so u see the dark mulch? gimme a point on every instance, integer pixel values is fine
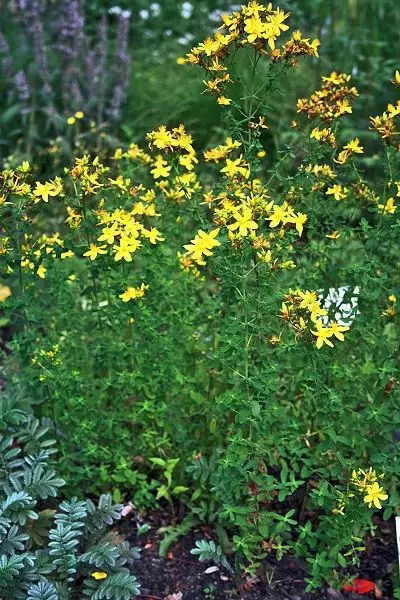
(181, 573)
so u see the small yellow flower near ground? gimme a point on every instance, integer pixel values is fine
(5, 292)
(181, 60)
(71, 120)
(132, 293)
(374, 495)
(224, 101)
(79, 114)
(261, 154)
(95, 250)
(99, 575)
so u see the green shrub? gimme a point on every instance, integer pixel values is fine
(251, 382)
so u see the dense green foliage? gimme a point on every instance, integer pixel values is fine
(248, 371)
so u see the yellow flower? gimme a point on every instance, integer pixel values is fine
(94, 251)
(109, 234)
(162, 138)
(181, 60)
(261, 154)
(224, 101)
(255, 28)
(307, 298)
(41, 272)
(337, 330)
(279, 215)
(127, 246)
(396, 80)
(299, 220)
(323, 334)
(132, 293)
(71, 120)
(374, 494)
(99, 575)
(202, 244)
(66, 254)
(5, 292)
(244, 222)
(337, 191)
(25, 167)
(49, 188)
(161, 168)
(235, 167)
(354, 146)
(153, 235)
(389, 207)
(79, 114)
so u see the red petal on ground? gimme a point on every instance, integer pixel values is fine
(360, 586)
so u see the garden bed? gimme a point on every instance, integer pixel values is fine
(180, 572)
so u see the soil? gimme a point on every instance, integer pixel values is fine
(181, 576)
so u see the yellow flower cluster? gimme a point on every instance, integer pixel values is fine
(134, 152)
(388, 123)
(35, 252)
(222, 151)
(13, 182)
(47, 354)
(201, 246)
(299, 46)
(89, 173)
(331, 101)
(325, 136)
(245, 209)
(302, 309)
(121, 231)
(367, 483)
(178, 143)
(257, 25)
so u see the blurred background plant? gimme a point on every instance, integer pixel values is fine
(64, 83)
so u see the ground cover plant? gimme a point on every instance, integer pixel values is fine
(220, 330)
(53, 554)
